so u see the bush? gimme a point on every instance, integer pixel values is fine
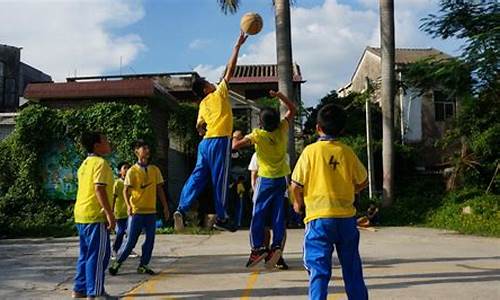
(483, 219)
(24, 208)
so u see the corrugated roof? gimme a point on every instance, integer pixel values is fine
(411, 55)
(261, 74)
(136, 88)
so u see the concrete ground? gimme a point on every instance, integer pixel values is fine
(399, 263)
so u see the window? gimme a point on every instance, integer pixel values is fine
(444, 106)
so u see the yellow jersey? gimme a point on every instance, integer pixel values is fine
(271, 150)
(142, 183)
(328, 172)
(120, 208)
(215, 110)
(93, 171)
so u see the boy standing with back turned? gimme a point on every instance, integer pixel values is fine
(325, 179)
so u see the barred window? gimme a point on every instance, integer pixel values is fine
(444, 106)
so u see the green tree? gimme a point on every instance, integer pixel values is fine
(473, 78)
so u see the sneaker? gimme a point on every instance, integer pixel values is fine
(115, 266)
(178, 221)
(76, 295)
(224, 226)
(281, 264)
(104, 296)
(145, 270)
(272, 257)
(256, 256)
(134, 254)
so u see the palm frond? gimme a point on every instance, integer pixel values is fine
(230, 6)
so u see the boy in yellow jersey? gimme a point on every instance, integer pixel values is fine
(120, 206)
(271, 144)
(215, 124)
(325, 179)
(93, 216)
(143, 185)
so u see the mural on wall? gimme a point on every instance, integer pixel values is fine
(60, 167)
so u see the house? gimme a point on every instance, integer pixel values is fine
(161, 92)
(14, 77)
(421, 118)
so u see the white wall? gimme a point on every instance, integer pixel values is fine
(412, 116)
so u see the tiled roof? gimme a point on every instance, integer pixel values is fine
(410, 55)
(261, 74)
(133, 88)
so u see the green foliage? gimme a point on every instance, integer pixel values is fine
(474, 139)
(476, 23)
(354, 106)
(182, 124)
(24, 209)
(483, 219)
(187, 230)
(415, 197)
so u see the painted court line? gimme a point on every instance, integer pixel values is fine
(250, 283)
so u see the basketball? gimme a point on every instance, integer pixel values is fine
(251, 23)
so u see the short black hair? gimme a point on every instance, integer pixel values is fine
(140, 143)
(241, 178)
(199, 86)
(89, 139)
(121, 164)
(331, 119)
(269, 118)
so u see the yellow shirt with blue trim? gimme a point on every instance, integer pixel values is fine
(142, 183)
(93, 171)
(328, 172)
(120, 208)
(215, 110)
(271, 150)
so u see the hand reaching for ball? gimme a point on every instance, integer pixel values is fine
(241, 39)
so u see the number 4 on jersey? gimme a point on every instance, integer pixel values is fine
(333, 162)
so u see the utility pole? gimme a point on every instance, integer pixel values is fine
(369, 150)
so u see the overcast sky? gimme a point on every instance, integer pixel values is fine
(91, 37)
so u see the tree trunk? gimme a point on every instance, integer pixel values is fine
(284, 58)
(387, 50)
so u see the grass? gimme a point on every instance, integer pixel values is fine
(196, 230)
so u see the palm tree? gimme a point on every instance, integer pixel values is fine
(283, 52)
(387, 50)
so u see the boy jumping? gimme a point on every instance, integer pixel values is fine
(93, 217)
(215, 124)
(325, 179)
(143, 184)
(271, 145)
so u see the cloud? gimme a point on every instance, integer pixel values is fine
(329, 39)
(210, 72)
(59, 37)
(199, 44)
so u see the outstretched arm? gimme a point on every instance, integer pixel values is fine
(241, 143)
(231, 65)
(290, 105)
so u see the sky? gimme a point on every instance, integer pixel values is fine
(104, 37)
